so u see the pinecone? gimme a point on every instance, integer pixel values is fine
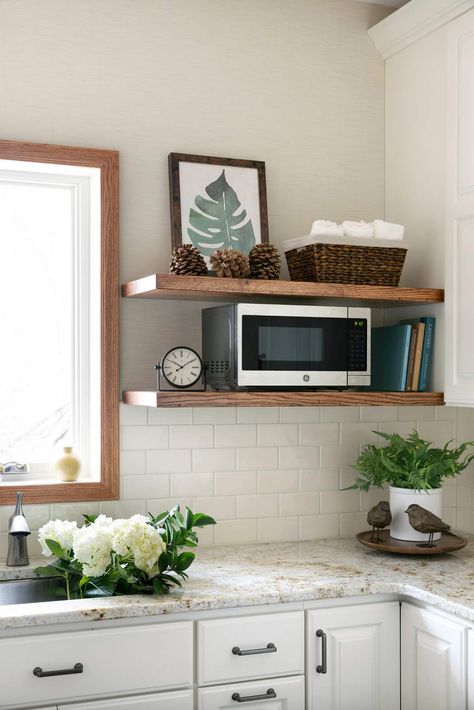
(186, 260)
(264, 261)
(230, 263)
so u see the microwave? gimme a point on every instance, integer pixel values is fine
(248, 345)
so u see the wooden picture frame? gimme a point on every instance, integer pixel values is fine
(196, 183)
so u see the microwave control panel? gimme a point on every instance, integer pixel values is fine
(357, 345)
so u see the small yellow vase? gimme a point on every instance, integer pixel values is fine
(68, 466)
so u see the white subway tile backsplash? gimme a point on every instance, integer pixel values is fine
(257, 415)
(191, 484)
(145, 437)
(319, 479)
(278, 481)
(319, 526)
(68, 511)
(234, 483)
(300, 414)
(299, 503)
(312, 434)
(298, 456)
(191, 436)
(235, 435)
(339, 501)
(215, 415)
(277, 434)
(339, 414)
(236, 532)
(132, 415)
(259, 506)
(265, 474)
(213, 460)
(170, 415)
(148, 486)
(132, 462)
(259, 458)
(278, 529)
(168, 461)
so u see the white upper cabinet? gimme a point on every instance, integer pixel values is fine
(434, 660)
(459, 387)
(353, 658)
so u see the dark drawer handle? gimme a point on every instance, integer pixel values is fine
(269, 648)
(40, 673)
(249, 698)
(323, 668)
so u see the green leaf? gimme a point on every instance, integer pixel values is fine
(185, 560)
(89, 519)
(57, 550)
(200, 520)
(220, 222)
(48, 571)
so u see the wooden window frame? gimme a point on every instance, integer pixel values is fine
(107, 488)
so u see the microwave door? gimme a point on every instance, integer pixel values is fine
(289, 350)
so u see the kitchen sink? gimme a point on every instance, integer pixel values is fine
(27, 591)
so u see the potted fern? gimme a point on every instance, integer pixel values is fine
(414, 469)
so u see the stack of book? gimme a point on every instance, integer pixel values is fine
(401, 355)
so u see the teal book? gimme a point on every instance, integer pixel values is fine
(390, 349)
(425, 368)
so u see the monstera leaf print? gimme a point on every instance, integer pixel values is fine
(220, 222)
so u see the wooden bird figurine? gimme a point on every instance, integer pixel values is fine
(379, 517)
(423, 521)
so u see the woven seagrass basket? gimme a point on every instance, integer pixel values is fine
(346, 264)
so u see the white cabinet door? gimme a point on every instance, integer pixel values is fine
(459, 385)
(271, 694)
(179, 700)
(360, 669)
(434, 659)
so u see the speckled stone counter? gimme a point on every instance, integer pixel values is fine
(240, 576)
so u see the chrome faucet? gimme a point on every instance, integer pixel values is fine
(18, 531)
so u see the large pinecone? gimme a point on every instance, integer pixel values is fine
(230, 263)
(186, 260)
(264, 261)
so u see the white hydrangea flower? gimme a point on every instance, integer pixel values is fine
(62, 531)
(142, 540)
(103, 521)
(92, 547)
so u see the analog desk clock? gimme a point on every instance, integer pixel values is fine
(181, 368)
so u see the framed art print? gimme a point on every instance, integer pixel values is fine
(217, 203)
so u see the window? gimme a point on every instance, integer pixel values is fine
(59, 315)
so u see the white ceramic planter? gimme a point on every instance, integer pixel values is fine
(400, 499)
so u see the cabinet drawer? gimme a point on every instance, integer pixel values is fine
(179, 700)
(118, 660)
(274, 693)
(250, 647)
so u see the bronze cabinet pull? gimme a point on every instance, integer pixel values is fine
(40, 673)
(269, 648)
(323, 668)
(249, 698)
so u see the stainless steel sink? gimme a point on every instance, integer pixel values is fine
(27, 591)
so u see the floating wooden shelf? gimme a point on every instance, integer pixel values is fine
(323, 398)
(204, 288)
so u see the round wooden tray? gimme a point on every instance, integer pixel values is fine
(448, 543)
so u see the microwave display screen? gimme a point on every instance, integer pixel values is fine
(294, 343)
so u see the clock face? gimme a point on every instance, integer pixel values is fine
(181, 367)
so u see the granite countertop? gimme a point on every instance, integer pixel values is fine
(247, 575)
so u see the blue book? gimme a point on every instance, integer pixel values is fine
(390, 349)
(425, 368)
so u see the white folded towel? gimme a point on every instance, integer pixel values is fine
(323, 227)
(358, 229)
(386, 230)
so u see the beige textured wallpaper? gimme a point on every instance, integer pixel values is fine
(296, 83)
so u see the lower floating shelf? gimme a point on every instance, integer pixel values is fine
(323, 398)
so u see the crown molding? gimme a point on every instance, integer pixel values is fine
(413, 21)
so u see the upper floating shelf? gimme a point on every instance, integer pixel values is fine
(208, 288)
